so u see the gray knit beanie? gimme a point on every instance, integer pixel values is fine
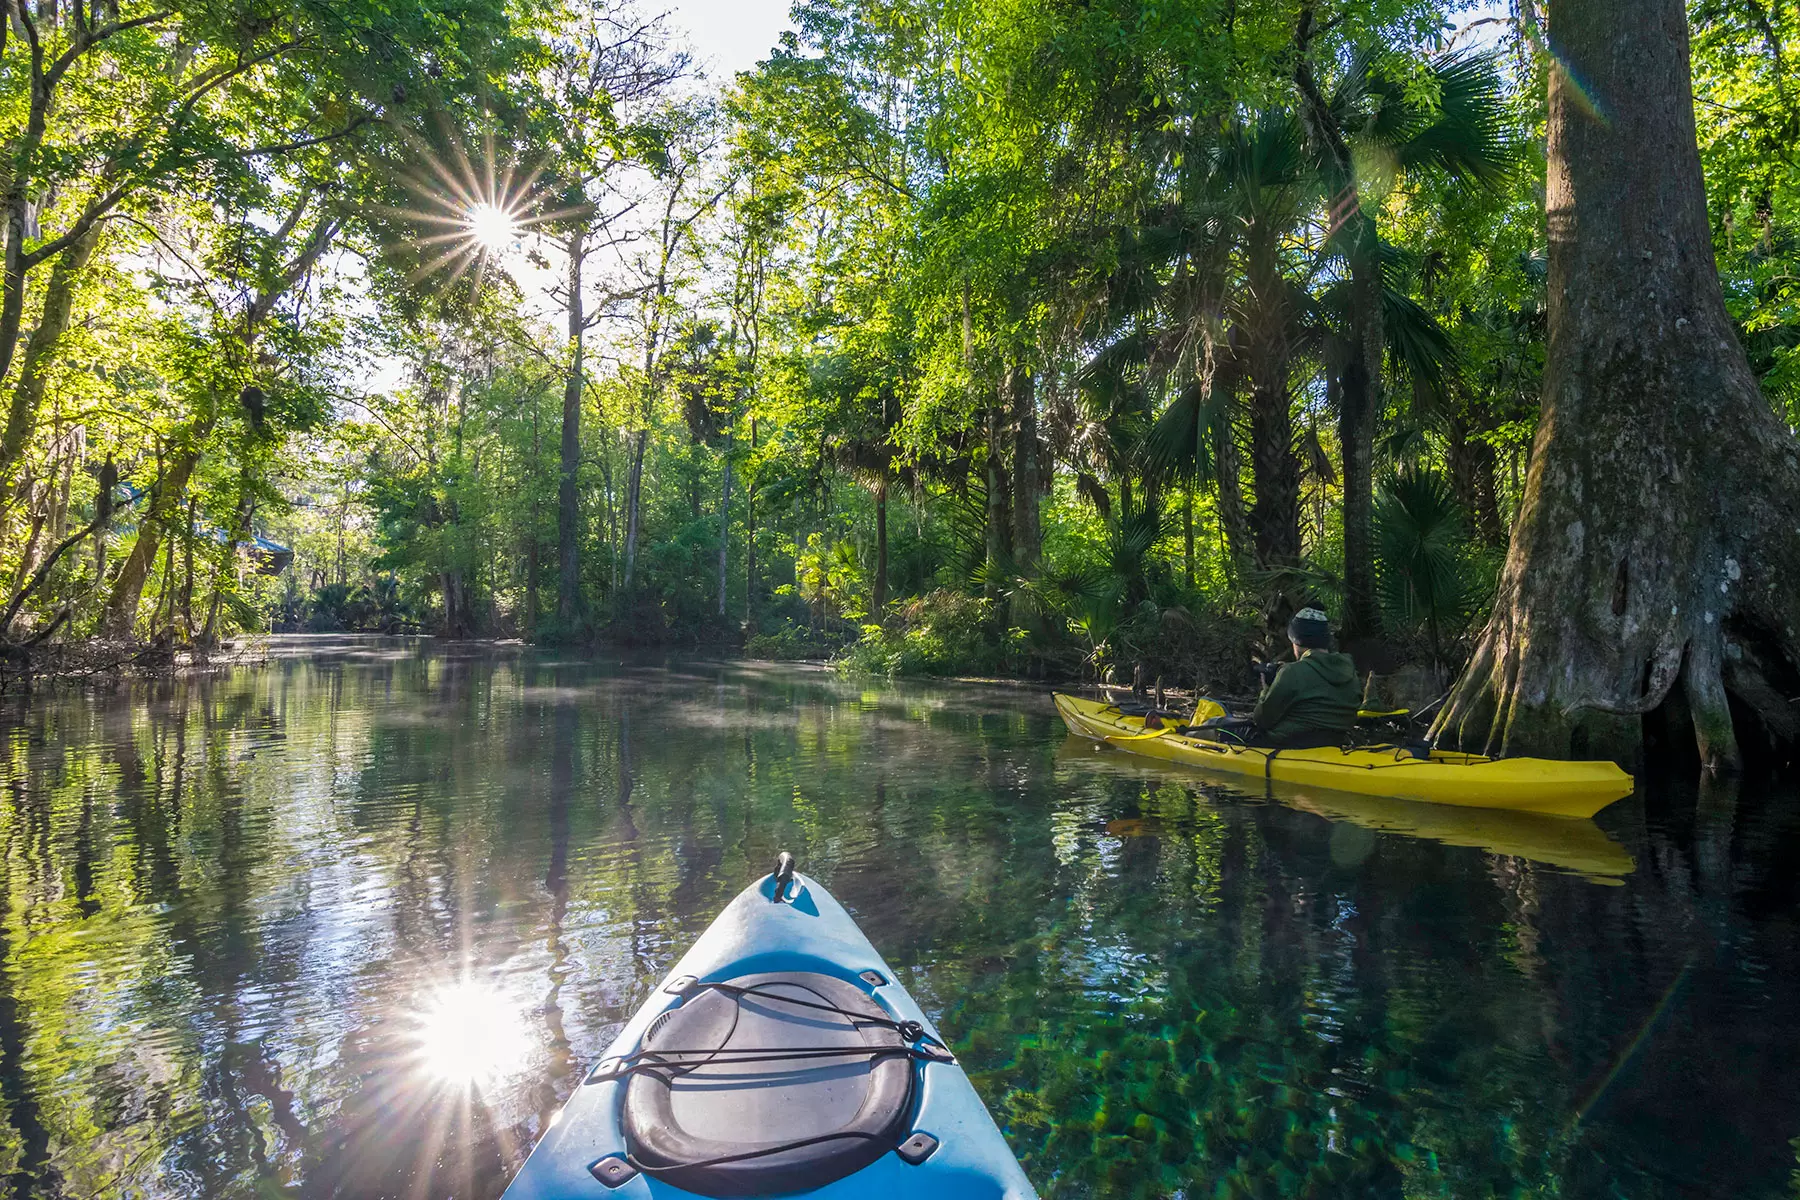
(1310, 629)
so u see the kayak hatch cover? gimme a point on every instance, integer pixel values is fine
(779, 1058)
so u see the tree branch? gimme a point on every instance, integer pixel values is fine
(90, 216)
(303, 143)
(81, 45)
(43, 572)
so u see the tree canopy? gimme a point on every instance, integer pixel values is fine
(1046, 338)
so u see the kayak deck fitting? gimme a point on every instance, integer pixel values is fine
(779, 1058)
(1536, 785)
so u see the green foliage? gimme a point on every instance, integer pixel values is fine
(940, 633)
(1429, 575)
(1748, 116)
(973, 337)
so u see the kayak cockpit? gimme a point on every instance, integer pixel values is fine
(768, 1084)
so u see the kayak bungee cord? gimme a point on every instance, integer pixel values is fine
(925, 1047)
(912, 1031)
(747, 1155)
(648, 1060)
(643, 1059)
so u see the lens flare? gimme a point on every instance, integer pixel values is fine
(472, 214)
(469, 1035)
(493, 228)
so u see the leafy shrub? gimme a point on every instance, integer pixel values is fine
(939, 633)
(791, 641)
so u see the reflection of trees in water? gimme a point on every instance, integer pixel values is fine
(220, 901)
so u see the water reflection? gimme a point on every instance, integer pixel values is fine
(351, 924)
(471, 1035)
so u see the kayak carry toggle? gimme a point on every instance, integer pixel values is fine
(614, 1171)
(784, 875)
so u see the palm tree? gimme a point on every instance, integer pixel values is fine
(1370, 131)
(1419, 532)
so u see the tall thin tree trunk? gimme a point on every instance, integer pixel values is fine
(568, 504)
(634, 489)
(1360, 403)
(532, 555)
(1187, 535)
(1359, 380)
(881, 545)
(1656, 542)
(1275, 516)
(999, 514)
(750, 539)
(1027, 536)
(187, 579)
(724, 524)
(1471, 463)
(1234, 523)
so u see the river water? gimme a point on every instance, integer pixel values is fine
(352, 923)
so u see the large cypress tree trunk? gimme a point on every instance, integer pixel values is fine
(1656, 547)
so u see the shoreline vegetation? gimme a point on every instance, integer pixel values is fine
(1046, 344)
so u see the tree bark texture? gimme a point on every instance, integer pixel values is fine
(1656, 551)
(568, 503)
(750, 538)
(1360, 403)
(1275, 514)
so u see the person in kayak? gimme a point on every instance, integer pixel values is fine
(1313, 700)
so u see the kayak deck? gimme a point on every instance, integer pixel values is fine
(779, 1057)
(1534, 785)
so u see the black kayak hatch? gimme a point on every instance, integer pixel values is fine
(769, 1084)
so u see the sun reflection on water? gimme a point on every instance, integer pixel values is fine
(470, 1034)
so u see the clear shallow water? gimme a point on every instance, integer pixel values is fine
(354, 922)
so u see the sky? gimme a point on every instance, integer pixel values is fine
(731, 35)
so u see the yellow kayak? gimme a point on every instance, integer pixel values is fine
(1568, 843)
(1535, 785)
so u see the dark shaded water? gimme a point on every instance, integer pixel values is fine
(352, 923)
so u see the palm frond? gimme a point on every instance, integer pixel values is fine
(1180, 444)
(1415, 339)
(1419, 531)
(1468, 138)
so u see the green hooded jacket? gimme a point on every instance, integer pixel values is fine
(1312, 696)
